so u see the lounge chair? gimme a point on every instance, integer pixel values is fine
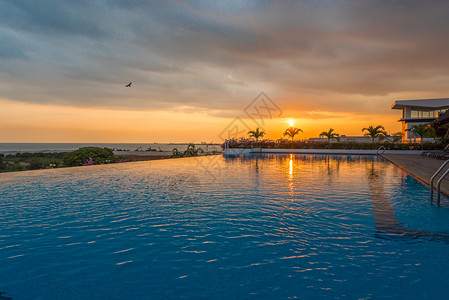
(444, 154)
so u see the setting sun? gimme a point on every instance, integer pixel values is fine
(224, 149)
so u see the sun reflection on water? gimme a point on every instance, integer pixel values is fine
(290, 168)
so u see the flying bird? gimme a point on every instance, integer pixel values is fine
(128, 85)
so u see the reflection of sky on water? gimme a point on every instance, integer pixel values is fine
(279, 226)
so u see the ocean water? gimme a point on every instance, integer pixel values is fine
(11, 148)
(215, 227)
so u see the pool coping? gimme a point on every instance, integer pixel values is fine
(244, 151)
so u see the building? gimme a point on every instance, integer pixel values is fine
(356, 139)
(419, 112)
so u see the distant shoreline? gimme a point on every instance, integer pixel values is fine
(13, 148)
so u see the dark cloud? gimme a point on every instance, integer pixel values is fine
(9, 48)
(218, 56)
(52, 17)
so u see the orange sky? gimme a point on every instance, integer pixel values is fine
(23, 122)
(196, 66)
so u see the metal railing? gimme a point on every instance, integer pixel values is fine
(380, 148)
(439, 180)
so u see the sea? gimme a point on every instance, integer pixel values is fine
(13, 148)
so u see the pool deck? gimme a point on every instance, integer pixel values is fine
(421, 167)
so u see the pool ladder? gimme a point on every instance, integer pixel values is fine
(439, 181)
(381, 148)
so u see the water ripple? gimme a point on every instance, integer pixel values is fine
(261, 227)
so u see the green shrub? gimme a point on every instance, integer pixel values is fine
(176, 153)
(190, 151)
(82, 156)
(35, 164)
(15, 168)
(2, 162)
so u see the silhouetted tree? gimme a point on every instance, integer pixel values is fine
(374, 132)
(291, 132)
(256, 133)
(330, 135)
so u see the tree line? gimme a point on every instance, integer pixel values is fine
(371, 131)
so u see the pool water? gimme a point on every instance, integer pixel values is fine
(240, 227)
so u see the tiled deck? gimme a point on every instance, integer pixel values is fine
(421, 167)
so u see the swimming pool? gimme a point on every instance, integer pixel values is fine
(262, 226)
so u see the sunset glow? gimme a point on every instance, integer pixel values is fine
(197, 69)
(188, 149)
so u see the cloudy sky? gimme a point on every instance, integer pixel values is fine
(196, 66)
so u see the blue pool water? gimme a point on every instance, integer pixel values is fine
(269, 226)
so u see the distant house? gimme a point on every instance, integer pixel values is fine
(417, 112)
(357, 139)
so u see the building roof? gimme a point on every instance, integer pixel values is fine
(422, 103)
(417, 120)
(442, 119)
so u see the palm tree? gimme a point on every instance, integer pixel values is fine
(176, 153)
(192, 151)
(291, 132)
(375, 132)
(397, 136)
(330, 135)
(422, 131)
(256, 133)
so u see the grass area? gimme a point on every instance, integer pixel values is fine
(30, 161)
(35, 161)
